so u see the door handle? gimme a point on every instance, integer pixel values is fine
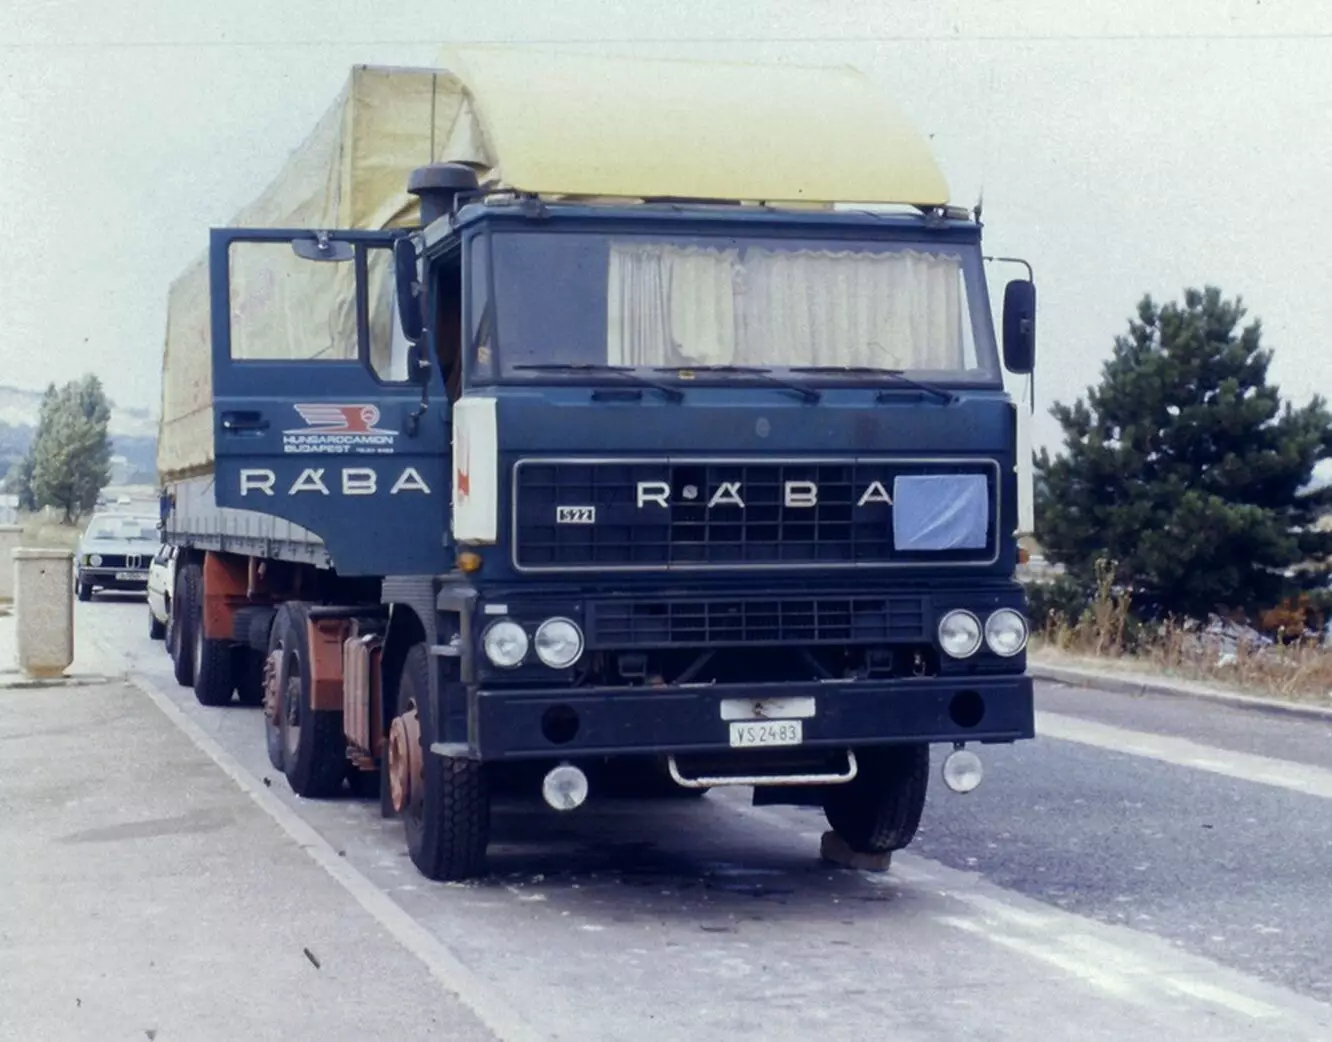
(241, 422)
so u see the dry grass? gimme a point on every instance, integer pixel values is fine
(1107, 636)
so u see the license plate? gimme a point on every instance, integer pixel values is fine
(129, 575)
(764, 733)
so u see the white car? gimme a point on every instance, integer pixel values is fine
(161, 581)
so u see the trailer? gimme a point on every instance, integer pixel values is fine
(569, 427)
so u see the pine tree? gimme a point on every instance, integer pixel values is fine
(1185, 467)
(71, 450)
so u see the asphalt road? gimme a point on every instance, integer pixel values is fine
(1158, 870)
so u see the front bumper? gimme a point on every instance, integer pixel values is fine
(508, 725)
(111, 578)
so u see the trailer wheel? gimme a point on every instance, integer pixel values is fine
(879, 810)
(445, 800)
(214, 679)
(182, 630)
(314, 748)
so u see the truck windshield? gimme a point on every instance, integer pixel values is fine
(656, 302)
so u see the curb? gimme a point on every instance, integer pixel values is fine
(17, 681)
(1123, 684)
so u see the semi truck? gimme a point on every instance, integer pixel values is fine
(557, 427)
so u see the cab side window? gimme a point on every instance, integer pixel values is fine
(448, 326)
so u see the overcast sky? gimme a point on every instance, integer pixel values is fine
(1124, 147)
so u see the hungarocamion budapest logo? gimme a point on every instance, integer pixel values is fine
(338, 428)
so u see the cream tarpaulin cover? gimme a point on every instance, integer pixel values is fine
(556, 125)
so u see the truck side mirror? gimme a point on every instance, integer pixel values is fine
(408, 289)
(1020, 326)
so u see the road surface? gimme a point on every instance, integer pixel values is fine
(1147, 869)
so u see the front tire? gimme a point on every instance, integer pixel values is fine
(879, 811)
(156, 628)
(447, 816)
(84, 591)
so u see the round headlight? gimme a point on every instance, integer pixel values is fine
(558, 643)
(1006, 632)
(960, 634)
(505, 643)
(95, 559)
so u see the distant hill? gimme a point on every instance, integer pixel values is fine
(133, 433)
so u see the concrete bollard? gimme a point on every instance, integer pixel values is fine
(10, 535)
(44, 606)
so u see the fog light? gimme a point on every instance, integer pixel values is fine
(962, 770)
(1006, 632)
(960, 634)
(565, 787)
(505, 643)
(558, 643)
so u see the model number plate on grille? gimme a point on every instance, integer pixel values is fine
(575, 515)
(763, 733)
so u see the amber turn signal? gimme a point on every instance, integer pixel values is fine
(469, 562)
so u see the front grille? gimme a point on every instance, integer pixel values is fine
(682, 514)
(807, 620)
(129, 562)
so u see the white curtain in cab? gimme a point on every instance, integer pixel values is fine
(680, 306)
(671, 305)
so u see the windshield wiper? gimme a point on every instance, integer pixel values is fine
(808, 394)
(673, 394)
(869, 370)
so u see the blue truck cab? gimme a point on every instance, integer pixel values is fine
(659, 497)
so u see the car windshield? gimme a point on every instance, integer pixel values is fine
(785, 304)
(123, 529)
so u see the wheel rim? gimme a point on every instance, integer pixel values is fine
(404, 762)
(291, 716)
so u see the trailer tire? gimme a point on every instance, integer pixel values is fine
(447, 816)
(182, 632)
(314, 748)
(879, 810)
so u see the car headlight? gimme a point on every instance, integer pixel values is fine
(505, 643)
(1006, 632)
(95, 560)
(960, 634)
(558, 643)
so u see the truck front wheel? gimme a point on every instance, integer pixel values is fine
(879, 810)
(445, 800)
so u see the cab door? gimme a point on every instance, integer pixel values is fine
(323, 414)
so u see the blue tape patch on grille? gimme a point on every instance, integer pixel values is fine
(940, 512)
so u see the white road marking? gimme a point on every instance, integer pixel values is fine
(490, 1008)
(1264, 770)
(1119, 961)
